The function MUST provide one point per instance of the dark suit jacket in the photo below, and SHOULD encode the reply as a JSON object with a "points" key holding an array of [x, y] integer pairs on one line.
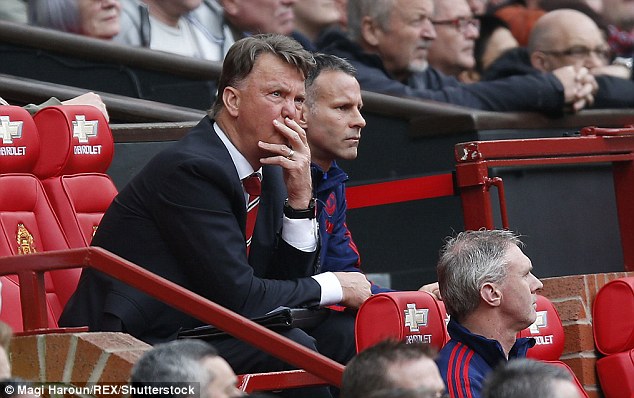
{"points": [[183, 217]]}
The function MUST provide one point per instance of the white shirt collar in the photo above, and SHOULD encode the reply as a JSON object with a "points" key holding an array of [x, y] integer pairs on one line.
{"points": [[243, 167]]}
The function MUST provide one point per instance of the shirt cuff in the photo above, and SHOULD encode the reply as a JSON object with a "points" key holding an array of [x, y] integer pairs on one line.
{"points": [[302, 234], [331, 291]]}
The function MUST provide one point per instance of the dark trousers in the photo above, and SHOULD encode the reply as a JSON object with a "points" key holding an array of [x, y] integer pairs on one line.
{"points": [[334, 338]]}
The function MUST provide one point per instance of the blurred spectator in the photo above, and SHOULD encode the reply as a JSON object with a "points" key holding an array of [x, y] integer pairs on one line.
{"points": [[520, 16], [478, 7], [260, 16], [186, 363], [527, 378], [312, 17], [173, 27], [619, 13], [456, 31], [14, 11], [391, 365], [387, 42], [342, 6], [569, 37], [93, 18], [596, 5], [578, 5], [203, 29], [495, 38]]}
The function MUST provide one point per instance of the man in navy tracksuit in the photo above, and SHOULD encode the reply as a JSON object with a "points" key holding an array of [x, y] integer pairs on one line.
{"points": [[333, 122], [488, 289]]}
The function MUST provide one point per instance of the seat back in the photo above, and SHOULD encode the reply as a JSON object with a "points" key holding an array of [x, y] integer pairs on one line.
{"points": [[616, 374], [547, 330], [613, 327], [613, 317], [27, 221], [80, 149], [411, 316]]}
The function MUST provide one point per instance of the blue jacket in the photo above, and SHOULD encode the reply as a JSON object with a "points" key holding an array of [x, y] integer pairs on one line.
{"points": [[541, 92], [467, 359], [338, 250]]}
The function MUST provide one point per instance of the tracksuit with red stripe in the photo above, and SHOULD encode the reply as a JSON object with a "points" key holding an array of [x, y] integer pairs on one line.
{"points": [[338, 250], [467, 359]]}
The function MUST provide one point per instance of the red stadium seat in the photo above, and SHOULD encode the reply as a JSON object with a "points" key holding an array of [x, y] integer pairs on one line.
{"points": [[79, 150], [411, 316], [27, 221], [613, 326], [548, 332]]}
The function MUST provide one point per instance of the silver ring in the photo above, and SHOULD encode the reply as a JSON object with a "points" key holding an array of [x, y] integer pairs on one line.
{"points": [[291, 152]]}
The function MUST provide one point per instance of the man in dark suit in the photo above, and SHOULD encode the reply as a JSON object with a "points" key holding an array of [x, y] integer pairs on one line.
{"points": [[184, 217]]}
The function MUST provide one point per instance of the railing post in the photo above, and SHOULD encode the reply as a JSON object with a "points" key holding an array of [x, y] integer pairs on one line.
{"points": [[474, 194], [33, 297], [624, 191]]}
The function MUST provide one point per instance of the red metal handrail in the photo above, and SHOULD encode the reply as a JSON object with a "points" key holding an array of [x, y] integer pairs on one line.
{"points": [[31, 267]]}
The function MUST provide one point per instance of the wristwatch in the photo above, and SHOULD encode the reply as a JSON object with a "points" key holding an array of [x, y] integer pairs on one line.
{"points": [[310, 212], [623, 61]]}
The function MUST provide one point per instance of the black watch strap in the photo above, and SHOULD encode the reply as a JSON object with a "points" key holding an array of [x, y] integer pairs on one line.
{"points": [[310, 212]]}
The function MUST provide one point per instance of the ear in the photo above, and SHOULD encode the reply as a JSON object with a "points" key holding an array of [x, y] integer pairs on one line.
{"points": [[539, 61], [303, 123], [231, 99], [370, 31], [491, 295]]}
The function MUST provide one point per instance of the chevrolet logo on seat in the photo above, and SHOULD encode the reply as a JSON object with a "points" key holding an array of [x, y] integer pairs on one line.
{"points": [[82, 128], [10, 130]]}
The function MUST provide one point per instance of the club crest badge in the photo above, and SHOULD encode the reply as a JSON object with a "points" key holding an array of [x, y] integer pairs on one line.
{"points": [[26, 243]]}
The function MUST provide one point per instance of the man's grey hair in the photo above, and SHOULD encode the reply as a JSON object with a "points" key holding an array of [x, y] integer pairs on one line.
{"points": [[175, 363], [524, 378], [379, 10], [467, 262], [244, 53]]}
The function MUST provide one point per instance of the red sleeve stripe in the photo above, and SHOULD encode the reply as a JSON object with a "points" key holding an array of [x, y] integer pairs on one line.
{"points": [[465, 375], [451, 380]]}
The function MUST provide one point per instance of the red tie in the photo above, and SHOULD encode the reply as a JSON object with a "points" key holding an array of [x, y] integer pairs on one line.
{"points": [[253, 186]]}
